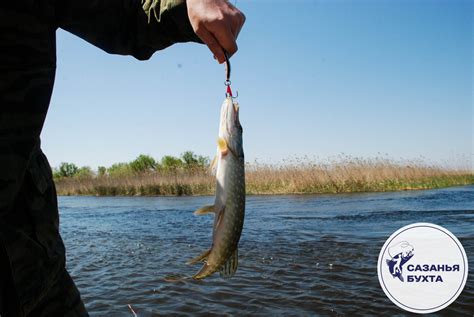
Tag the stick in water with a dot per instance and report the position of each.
(133, 312)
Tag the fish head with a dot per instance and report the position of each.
(230, 129)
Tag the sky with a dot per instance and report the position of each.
(316, 79)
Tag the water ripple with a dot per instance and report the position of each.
(299, 255)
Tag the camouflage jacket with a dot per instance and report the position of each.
(27, 71)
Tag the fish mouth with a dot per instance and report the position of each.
(230, 129)
(232, 122)
(237, 125)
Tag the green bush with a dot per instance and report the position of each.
(84, 172)
(119, 169)
(66, 170)
(101, 171)
(143, 163)
(169, 162)
(193, 161)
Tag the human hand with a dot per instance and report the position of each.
(217, 23)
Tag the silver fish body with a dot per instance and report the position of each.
(229, 205)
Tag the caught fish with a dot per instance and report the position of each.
(229, 204)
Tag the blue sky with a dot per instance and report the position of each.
(315, 78)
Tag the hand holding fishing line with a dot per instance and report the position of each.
(217, 23)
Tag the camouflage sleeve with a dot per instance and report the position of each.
(127, 27)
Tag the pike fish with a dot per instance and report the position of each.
(229, 204)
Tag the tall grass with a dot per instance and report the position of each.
(295, 177)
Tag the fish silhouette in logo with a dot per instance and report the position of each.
(399, 253)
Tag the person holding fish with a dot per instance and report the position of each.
(33, 278)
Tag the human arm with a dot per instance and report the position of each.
(125, 27)
(128, 28)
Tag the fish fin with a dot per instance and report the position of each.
(204, 210)
(222, 145)
(202, 257)
(213, 165)
(230, 267)
(219, 215)
(203, 272)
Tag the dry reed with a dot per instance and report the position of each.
(297, 177)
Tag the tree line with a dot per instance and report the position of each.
(143, 164)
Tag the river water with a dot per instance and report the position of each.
(299, 255)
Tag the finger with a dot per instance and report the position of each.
(236, 30)
(238, 25)
(212, 44)
(238, 20)
(226, 39)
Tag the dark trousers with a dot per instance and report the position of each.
(33, 278)
(9, 305)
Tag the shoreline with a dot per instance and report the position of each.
(93, 188)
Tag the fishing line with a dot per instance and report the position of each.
(227, 80)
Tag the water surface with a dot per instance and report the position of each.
(299, 255)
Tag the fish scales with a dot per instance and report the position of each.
(229, 205)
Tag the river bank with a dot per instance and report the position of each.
(348, 177)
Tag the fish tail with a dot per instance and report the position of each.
(230, 267)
